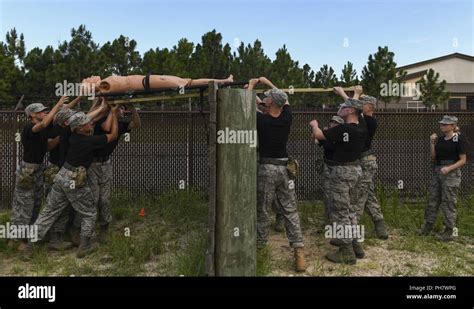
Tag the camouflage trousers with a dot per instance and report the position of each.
(101, 177)
(366, 198)
(49, 177)
(342, 196)
(325, 184)
(443, 194)
(27, 199)
(62, 194)
(61, 223)
(273, 183)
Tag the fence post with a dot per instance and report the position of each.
(236, 185)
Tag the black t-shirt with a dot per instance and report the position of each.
(348, 141)
(450, 149)
(54, 154)
(328, 149)
(273, 133)
(64, 144)
(35, 145)
(110, 147)
(82, 147)
(371, 124)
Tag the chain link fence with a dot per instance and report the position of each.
(170, 152)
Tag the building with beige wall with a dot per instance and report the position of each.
(458, 72)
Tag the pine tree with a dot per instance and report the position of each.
(432, 91)
(381, 70)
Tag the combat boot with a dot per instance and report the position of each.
(447, 235)
(279, 223)
(426, 229)
(56, 243)
(85, 247)
(380, 229)
(344, 255)
(13, 244)
(358, 250)
(336, 242)
(26, 250)
(300, 264)
(104, 233)
(75, 233)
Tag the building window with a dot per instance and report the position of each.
(454, 105)
(470, 104)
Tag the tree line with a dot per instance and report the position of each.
(36, 72)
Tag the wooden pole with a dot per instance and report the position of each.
(211, 240)
(196, 95)
(236, 184)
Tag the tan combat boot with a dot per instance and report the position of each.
(300, 263)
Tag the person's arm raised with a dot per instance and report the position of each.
(113, 135)
(266, 81)
(97, 113)
(357, 92)
(136, 121)
(49, 118)
(340, 92)
(317, 133)
(74, 102)
(433, 139)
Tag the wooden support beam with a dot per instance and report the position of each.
(196, 95)
(236, 184)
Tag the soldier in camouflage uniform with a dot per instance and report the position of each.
(101, 171)
(71, 185)
(57, 156)
(449, 155)
(28, 192)
(56, 160)
(347, 139)
(328, 154)
(367, 200)
(273, 181)
(276, 206)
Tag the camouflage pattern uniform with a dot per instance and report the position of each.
(50, 173)
(101, 176)
(60, 197)
(367, 199)
(27, 196)
(443, 194)
(341, 195)
(274, 183)
(327, 169)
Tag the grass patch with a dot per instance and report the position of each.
(190, 260)
(171, 240)
(263, 262)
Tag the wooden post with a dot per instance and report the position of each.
(236, 184)
(211, 248)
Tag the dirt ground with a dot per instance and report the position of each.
(382, 258)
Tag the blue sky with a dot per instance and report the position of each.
(313, 31)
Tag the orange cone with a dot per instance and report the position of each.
(142, 212)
